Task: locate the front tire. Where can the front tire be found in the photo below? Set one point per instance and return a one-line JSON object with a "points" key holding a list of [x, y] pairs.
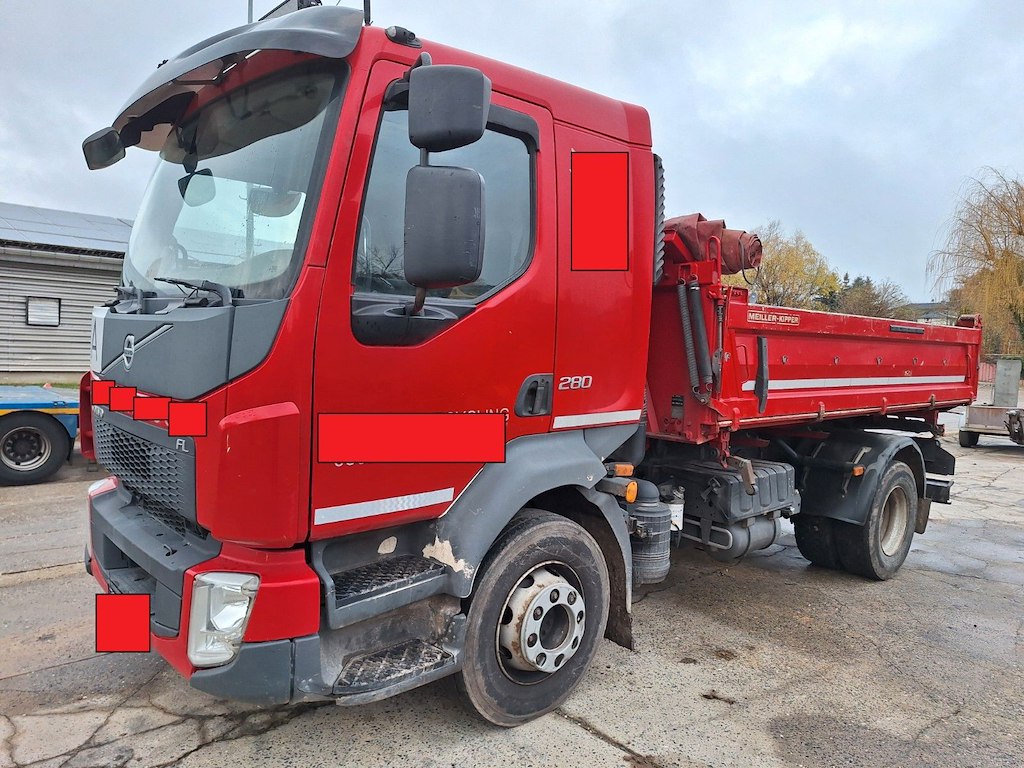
{"points": [[878, 548], [33, 446], [535, 620]]}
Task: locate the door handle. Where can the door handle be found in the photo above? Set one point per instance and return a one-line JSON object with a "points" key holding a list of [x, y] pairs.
{"points": [[535, 395]]}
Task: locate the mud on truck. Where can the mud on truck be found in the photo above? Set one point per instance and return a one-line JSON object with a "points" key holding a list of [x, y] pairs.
{"points": [[359, 253]]}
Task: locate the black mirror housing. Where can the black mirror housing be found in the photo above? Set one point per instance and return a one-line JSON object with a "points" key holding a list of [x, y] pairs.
{"points": [[448, 106], [444, 226], [103, 149]]}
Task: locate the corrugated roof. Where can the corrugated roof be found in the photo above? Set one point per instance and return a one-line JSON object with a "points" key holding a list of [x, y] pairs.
{"points": [[63, 230]]}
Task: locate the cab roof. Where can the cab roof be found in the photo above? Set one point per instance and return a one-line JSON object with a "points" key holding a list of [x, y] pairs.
{"points": [[334, 32], [567, 103]]}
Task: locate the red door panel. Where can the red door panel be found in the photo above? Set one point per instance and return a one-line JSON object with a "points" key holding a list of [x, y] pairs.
{"points": [[603, 313], [476, 364]]}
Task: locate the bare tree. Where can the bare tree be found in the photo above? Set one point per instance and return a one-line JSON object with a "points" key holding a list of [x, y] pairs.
{"points": [[982, 262], [382, 262]]}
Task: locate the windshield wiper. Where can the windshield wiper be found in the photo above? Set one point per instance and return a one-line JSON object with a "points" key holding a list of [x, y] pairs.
{"points": [[130, 299], [219, 289]]}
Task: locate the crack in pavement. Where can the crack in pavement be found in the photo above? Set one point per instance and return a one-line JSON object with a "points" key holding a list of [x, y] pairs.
{"points": [[246, 724], [36, 570], [52, 666], [892, 665], [88, 743], [6, 747], [649, 592], [937, 721], [239, 725], [934, 574], [634, 758], [34, 533]]}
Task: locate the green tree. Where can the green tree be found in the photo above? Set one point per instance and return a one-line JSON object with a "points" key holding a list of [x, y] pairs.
{"points": [[866, 297], [792, 273]]}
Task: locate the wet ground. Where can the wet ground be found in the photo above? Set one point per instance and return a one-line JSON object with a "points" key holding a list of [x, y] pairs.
{"points": [[771, 662]]}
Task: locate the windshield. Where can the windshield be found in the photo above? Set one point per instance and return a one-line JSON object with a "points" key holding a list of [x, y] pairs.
{"points": [[228, 201]]}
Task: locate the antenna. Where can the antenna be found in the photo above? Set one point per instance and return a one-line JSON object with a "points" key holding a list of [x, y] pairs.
{"points": [[366, 13]]}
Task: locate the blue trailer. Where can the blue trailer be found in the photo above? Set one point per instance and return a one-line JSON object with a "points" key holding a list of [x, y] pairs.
{"points": [[38, 427]]}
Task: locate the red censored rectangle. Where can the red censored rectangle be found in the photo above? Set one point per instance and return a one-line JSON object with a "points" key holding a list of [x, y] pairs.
{"points": [[411, 437], [600, 211], [101, 392], [122, 624], [152, 408], [186, 420], [122, 399]]}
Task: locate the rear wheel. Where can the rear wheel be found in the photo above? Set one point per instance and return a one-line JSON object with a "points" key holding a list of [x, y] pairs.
{"points": [[878, 548], [33, 446], [815, 538], [968, 439], [535, 620]]}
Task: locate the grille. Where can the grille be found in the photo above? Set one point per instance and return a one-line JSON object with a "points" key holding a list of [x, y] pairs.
{"points": [[158, 477]]}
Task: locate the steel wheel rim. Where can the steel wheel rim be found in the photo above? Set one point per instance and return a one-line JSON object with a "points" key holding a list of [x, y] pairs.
{"points": [[892, 529], [542, 623], [24, 449]]}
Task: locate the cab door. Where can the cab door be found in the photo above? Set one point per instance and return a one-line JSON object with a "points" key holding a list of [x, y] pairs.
{"points": [[479, 348]]}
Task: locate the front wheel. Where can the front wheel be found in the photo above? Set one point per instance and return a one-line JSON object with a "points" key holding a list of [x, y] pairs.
{"points": [[878, 548], [33, 446], [535, 620]]}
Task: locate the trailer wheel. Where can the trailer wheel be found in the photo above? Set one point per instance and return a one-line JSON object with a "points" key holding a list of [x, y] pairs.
{"points": [[33, 446], [816, 540], [878, 548], [968, 439], [535, 619]]}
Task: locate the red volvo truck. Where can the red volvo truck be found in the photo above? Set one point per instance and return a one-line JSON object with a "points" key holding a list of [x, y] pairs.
{"points": [[356, 235]]}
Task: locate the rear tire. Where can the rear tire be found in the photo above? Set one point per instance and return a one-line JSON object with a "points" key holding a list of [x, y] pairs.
{"points": [[815, 538], [877, 549], [547, 571], [968, 439], [33, 446]]}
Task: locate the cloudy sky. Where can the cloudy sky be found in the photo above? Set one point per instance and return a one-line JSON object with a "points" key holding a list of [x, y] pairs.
{"points": [[856, 122]]}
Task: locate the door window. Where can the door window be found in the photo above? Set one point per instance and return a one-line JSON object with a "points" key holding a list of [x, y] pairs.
{"points": [[506, 166]]}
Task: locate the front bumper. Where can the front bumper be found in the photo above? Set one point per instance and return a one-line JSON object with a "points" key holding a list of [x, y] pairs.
{"points": [[132, 552], [261, 673]]}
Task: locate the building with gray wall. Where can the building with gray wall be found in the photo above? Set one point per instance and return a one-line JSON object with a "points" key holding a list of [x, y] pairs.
{"points": [[55, 266]]}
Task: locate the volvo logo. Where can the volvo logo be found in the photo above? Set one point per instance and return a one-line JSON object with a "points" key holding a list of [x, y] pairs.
{"points": [[129, 350]]}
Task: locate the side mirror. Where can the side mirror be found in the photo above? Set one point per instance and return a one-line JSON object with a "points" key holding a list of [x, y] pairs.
{"points": [[448, 106], [444, 226], [103, 149]]}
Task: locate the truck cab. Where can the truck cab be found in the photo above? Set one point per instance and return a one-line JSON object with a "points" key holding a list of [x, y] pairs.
{"points": [[266, 280]]}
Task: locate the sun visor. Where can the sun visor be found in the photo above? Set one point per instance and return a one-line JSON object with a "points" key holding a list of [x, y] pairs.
{"points": [[145, 120]]}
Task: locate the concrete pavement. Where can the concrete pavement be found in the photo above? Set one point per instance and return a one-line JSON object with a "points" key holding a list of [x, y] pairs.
{"points": [[770, 662]]}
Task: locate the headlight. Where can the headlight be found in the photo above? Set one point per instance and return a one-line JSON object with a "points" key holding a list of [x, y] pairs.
{"points": [[221, 604]]}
